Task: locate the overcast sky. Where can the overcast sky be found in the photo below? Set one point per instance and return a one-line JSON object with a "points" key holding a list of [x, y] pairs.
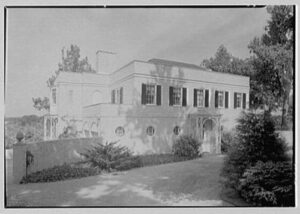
{"points": [[35, 38]]}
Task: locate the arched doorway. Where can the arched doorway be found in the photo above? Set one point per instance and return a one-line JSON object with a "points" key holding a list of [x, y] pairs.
{"points": [[209, 136]]}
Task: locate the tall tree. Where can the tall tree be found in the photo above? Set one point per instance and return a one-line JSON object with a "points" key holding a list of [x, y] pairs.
{"points": [[223, 61], [273, 60], [70, 62]]}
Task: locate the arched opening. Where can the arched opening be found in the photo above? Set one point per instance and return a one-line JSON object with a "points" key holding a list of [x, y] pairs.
{"points": [[96, 97], [48, 128], [209, 136]]}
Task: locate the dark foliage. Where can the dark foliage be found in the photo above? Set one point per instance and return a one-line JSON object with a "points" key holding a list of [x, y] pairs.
{"points": [[58, 173], [256, 141], [186, 146], [227, 141], [157, 159], [269, 184], [277, 123], [110, 156]]}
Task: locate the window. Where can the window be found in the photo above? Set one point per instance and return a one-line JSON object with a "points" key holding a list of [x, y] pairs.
{"points": [[117, 96], [200, 98], [70, 96], [120, 131], [176, 96], [176, 130], [150, 94], [94, 134], [221, 99], [150, 131], [54, 95], [238, 100]]}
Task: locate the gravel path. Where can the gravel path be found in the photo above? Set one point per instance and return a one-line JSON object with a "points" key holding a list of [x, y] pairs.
{"points": [[189, 183]]}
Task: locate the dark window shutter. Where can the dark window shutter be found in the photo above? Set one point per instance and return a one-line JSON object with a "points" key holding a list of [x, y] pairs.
{"points": [[183, 96], [195, 97], [244, 100], [113, 96], [216, 99], [206, 98], [158, 95], [121, 95], [226, 99], [171, 96], [235, 95], [143, 94]]}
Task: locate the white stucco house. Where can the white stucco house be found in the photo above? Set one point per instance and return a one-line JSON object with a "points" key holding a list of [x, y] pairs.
{"points": [[145, 105]]}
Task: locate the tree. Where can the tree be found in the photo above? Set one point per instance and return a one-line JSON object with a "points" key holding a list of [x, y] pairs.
{"points": [[40, 104], [273, 60], [70, 62], [226, 63]]}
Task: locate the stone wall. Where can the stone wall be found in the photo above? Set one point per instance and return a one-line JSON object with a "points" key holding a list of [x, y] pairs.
{"points": [[47, 154]]}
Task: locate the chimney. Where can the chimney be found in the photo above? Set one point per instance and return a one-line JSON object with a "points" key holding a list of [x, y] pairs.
{"points": [[105, 61]]}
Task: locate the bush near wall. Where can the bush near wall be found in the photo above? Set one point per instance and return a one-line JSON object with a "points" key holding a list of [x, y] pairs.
{"points": [[59, 173], [227, 140], [269, 184], [186, 146]]}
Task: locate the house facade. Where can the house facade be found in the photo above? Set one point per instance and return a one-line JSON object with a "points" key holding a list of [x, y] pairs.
{"points": [[146, 105]]}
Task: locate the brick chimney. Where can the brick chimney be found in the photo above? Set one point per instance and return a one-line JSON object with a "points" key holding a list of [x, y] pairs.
{"points": [[105, 61]]}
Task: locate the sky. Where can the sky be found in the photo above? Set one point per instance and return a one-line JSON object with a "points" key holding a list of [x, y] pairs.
{"points": [[35, 38]]}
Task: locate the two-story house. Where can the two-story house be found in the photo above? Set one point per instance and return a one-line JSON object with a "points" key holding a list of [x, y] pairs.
{"points": [[145, 105]]}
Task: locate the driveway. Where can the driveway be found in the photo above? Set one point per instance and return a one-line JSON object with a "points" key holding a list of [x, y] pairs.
{"points": [[189, 183]]}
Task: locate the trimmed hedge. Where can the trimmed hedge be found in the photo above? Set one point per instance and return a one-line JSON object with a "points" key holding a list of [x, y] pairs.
{"points": [[59, 173], [269, 184]]}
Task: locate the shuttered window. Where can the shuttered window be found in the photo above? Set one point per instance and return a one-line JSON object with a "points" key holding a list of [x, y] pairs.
{"points": [[239, 100], [177, 96], [200, 98], [151, 94], [113, 96], [121, 95], [221, 99], [117, 96]]}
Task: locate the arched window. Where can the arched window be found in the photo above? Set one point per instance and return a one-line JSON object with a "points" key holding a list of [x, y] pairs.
{"points": [[120, 131], [176, 130], [150, 131], [97, 97]]}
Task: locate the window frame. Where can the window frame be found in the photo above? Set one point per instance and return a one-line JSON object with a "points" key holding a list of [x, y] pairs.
{"points": [[179, 130], [203, 91], [117, 133], [155, 94], [181, 96], [223, 99], [240, 95], [148, 129]]}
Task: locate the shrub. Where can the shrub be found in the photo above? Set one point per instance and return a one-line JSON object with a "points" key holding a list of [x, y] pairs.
{"points": [[110, 156], [227, 141], [269, 184], [256, 141], [156, 159], [186, 146], [58, 173]]}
